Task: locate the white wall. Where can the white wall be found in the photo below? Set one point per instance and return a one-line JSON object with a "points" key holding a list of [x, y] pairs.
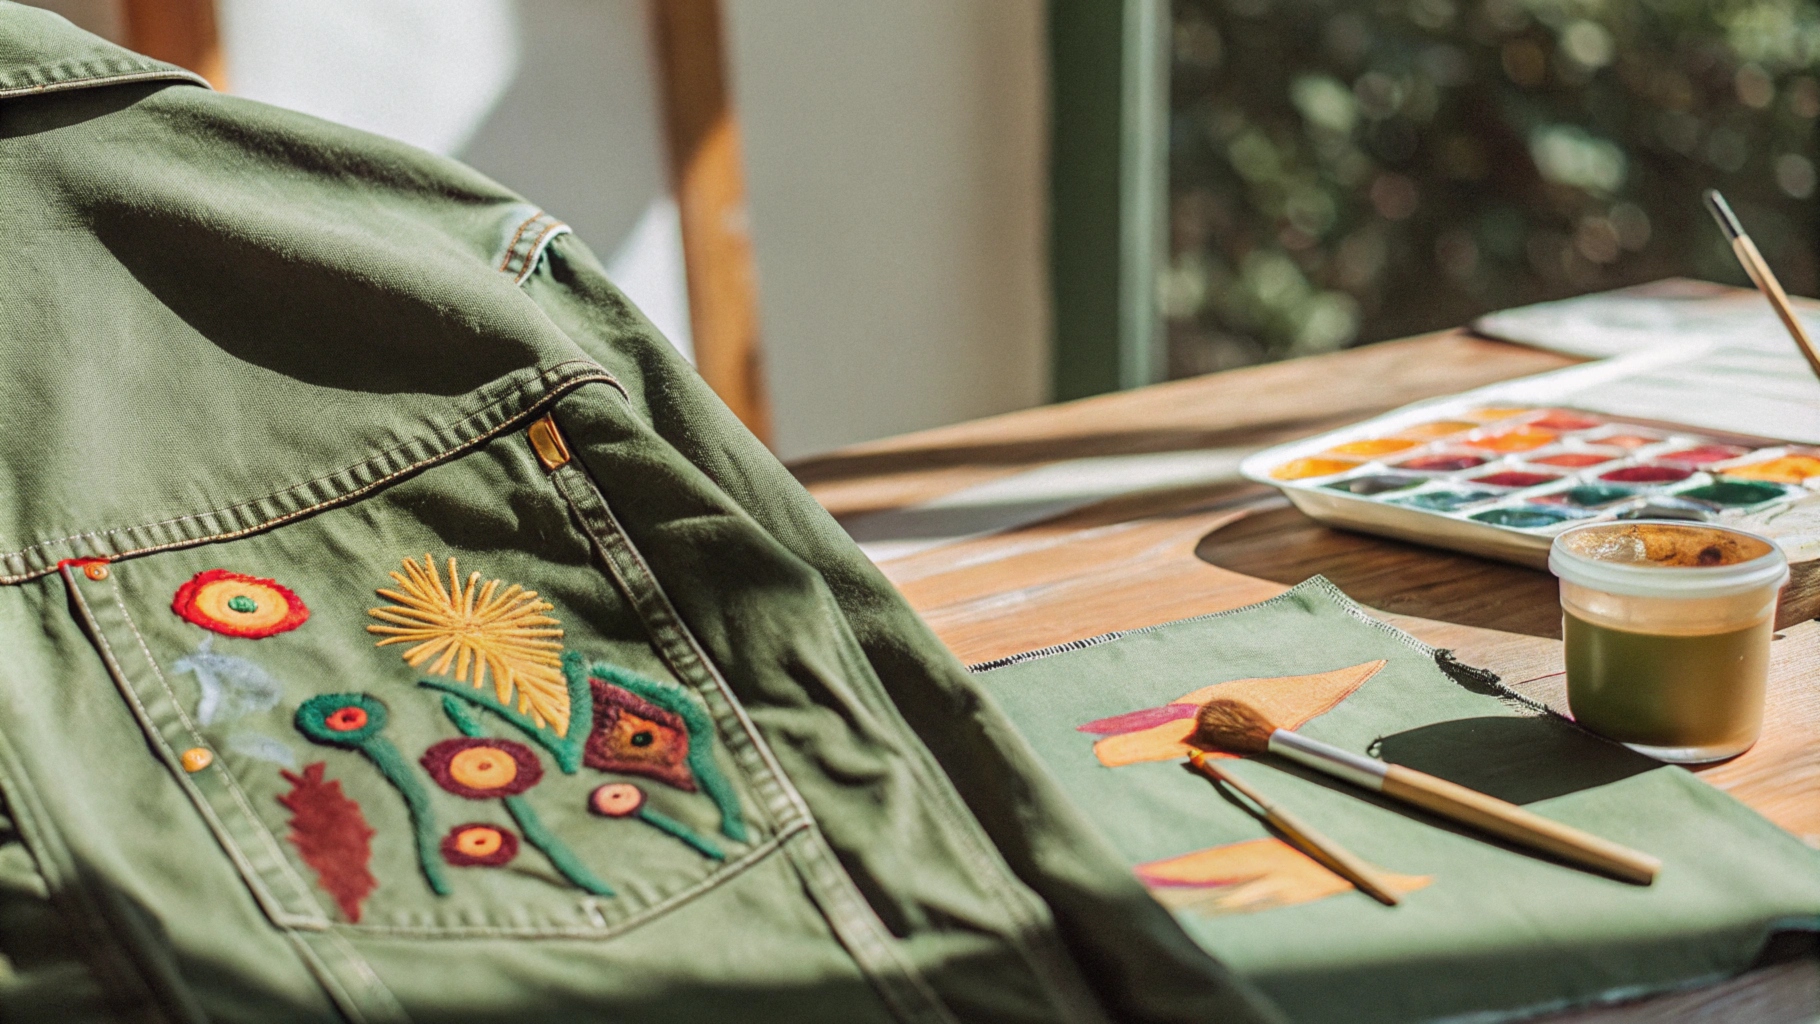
{"points": [[896, 170], [895, 157]]}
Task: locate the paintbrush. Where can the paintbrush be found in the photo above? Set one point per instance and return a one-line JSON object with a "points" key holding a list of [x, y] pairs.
{"points": [[1239, 728], [1765, 279], [1331, 855]]}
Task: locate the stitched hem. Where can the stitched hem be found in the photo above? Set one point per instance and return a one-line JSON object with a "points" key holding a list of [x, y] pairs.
{"points": [[515, 400], [88, 74]]}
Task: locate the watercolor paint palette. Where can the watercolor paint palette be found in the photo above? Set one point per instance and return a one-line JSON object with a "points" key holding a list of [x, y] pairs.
{"points": [[1501, 480]]}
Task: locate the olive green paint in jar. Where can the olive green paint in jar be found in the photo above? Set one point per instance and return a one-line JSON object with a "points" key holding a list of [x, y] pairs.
{"points": [[1667, 629]]}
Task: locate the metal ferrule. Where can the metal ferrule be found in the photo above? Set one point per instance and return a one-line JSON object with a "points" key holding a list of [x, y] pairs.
{"points": [[1322, 757]]}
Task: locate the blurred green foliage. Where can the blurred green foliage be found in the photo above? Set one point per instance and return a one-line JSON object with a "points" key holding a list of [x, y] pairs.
{"points": [[1344, 172]]}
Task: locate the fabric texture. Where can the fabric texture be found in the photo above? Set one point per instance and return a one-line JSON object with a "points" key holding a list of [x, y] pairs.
{"points": [[242, 339], [1485, 929]]}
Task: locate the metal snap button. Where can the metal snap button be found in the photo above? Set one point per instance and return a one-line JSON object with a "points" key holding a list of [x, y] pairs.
{"points": [[197, 758], [95, 571]]}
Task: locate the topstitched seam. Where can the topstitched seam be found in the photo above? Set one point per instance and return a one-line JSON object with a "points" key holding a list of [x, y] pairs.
{"points": [[560, 389], [231, 783], [709, 883], [863, 926], [67, 85], [144, 717], [512, 246], [537, 246]]}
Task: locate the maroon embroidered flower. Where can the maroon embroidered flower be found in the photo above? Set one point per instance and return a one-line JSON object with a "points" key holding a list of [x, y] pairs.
{"points": [[478, 845], [481, 769]]}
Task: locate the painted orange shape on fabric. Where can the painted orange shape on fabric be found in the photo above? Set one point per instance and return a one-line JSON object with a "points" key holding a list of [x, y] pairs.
{"points": [[1161, 733], [1257, 874]]}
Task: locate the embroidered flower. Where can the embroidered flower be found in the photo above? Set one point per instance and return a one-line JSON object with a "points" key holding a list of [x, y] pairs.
{"points": [[477, 845], [480, 769], [235, 604], [341, 719], [477, 629], [616, 799], [634, 736]]}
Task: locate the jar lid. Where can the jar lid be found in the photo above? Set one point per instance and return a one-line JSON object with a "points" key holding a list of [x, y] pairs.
{"points": [[1649, 558]]}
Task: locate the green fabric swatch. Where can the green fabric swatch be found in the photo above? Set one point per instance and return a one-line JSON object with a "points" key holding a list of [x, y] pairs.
{"points": [[1499, 933]]}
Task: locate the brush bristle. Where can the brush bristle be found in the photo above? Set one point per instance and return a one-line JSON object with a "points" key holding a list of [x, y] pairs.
{"points": [[1232, 726]]}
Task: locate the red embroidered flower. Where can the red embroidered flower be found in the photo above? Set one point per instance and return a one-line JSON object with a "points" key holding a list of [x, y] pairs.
{"points": [[480, 769], [235, 604], [477, 845]]}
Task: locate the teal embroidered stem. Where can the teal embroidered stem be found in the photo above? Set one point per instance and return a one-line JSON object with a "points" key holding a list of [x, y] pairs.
{"points": [[397, 771], [353, 721], [675, 699], [566, 750], [464, 719], [665, 823], [529, 823], [560, 856]]}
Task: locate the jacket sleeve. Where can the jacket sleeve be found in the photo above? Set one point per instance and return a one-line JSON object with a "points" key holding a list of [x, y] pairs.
{"points": [[1142, 966]]}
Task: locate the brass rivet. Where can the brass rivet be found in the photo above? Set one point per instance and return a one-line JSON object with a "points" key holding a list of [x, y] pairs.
{"points": [[95, 571], [197, 758]]}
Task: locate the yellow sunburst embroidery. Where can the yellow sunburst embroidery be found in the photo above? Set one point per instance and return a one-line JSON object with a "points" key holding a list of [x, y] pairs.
{"points": [[479, 628]]}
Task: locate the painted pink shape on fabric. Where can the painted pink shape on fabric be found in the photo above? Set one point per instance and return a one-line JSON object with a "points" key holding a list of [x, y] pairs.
{"points": [[1131, 721]]}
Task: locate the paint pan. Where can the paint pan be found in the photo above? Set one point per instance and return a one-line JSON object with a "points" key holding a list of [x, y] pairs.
{"points": [[1376, 483], [1792, 468], [1514, 478], [1442, 462], [1736, 493], [1447, 500], [1527, 517], [1647, 475]]}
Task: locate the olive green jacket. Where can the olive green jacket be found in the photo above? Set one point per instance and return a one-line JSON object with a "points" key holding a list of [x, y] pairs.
{"points": [[394, 628]]}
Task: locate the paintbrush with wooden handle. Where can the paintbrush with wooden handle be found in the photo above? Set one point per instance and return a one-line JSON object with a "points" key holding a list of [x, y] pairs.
{"points": [[1239, 728], [1764, 278], [1331, 855]]}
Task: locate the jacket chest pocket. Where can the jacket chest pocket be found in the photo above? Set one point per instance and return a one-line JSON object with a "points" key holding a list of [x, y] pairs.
{"points": [[432, 712]]}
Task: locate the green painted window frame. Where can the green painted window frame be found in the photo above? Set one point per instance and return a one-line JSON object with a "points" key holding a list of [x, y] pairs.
{"points": [[1109, 183]]}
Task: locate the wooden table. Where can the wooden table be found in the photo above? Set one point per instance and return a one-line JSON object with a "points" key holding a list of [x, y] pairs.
{"points": [[1155, 556]]}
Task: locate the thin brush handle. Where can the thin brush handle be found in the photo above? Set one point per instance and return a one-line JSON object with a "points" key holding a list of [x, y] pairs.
{"points": [[1508, 821], [1331, 855], [1469, 807], [1760, 274]]}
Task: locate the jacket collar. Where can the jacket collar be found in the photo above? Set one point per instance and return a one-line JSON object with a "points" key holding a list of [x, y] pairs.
{"points": [[40, 52]]}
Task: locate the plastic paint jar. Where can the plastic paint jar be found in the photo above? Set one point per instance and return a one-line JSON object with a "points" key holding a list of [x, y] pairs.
{"points": [[1667, 628]]}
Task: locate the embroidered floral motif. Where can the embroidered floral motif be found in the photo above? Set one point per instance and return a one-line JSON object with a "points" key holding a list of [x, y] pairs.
{"points": [[231, 687], [354, 721], [633, 736], [235, 604], [332, 837], [624, 800], [481, 769], [479, 628], [699, 755], [490, 769], [477, 845], [566, 749]]}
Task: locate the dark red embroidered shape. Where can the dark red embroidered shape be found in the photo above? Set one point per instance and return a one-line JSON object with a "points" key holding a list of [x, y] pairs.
{"points": [[235, 604], [481, 769], [479, 845], [332, 836], [633, 736]]}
